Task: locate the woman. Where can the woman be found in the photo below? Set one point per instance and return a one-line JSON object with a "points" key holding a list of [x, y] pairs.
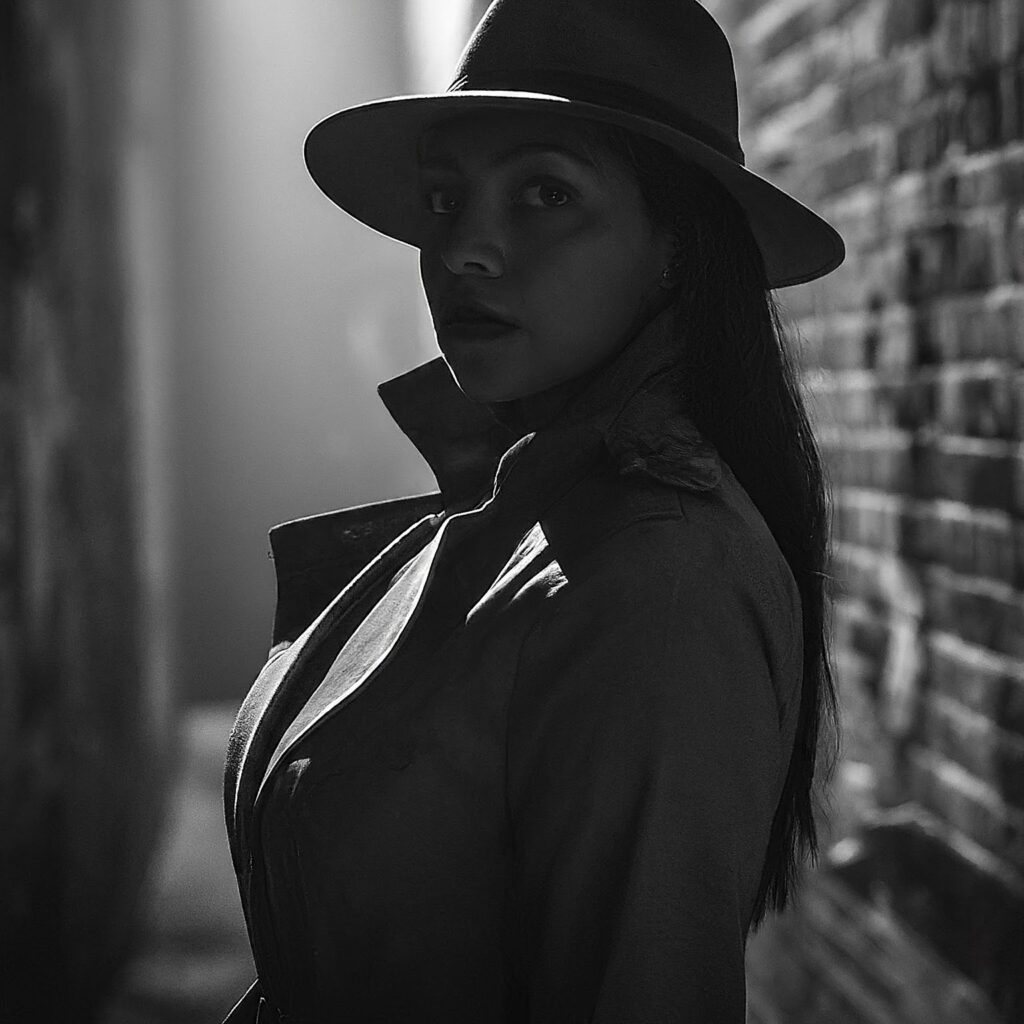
{"points": [[549, 756]]}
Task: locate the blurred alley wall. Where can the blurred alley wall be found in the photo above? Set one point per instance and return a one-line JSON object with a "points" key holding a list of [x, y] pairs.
{"points": [[86, 727], [190, 339], [902, 121], [288, 312]]}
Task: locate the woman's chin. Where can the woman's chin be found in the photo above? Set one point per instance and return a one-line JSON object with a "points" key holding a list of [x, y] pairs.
{"points": [[484, 394], [480, 387]]}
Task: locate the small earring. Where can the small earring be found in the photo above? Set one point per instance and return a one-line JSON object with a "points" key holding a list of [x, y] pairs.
{"points": [[668, 276]]}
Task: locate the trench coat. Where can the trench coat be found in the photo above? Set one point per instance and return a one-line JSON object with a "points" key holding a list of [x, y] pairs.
{"points": [[521, 766]]}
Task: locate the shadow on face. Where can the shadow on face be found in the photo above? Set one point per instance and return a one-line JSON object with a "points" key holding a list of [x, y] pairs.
{"points": [[541, 260]]}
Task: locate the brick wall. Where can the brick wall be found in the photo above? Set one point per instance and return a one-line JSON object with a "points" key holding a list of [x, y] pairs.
{"points": [[902, 121]]}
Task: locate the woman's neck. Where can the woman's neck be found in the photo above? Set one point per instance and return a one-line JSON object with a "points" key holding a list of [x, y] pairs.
{"points": [[532, 412], [525, 415]]}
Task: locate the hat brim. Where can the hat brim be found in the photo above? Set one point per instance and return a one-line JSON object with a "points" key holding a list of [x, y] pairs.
{"points": [[364, 160]]}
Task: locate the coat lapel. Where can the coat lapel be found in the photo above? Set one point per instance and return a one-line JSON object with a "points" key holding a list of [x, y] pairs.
{"points": [[386, 625], [380, 632], [246, 756]]}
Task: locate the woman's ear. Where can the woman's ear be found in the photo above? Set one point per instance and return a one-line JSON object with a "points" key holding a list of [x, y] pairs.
{"points": [[667, 252]]}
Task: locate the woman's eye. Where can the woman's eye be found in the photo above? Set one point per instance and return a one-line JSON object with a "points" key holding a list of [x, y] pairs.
{"points": [[440, 200], [547, 195]]}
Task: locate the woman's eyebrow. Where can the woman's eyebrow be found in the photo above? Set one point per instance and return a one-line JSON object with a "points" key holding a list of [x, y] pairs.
{"points": [[451, 163]]}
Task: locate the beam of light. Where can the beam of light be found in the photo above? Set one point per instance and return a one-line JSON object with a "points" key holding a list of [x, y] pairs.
{"points": [[436, 32]]}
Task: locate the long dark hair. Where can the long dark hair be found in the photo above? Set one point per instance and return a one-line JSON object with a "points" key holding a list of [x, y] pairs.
{"points": [[743, 394]]}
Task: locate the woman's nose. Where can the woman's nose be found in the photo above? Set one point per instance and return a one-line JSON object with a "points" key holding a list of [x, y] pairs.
{"points": [[474, 244]]}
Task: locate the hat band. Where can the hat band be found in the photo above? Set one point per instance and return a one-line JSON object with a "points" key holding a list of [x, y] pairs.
{"points": [[604, 93]]}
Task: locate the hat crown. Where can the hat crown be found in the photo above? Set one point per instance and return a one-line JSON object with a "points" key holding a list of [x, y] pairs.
{"points": [[672, 51]]}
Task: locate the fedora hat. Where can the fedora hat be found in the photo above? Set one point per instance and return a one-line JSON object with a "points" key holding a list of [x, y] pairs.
{"points": [[659, 68]]}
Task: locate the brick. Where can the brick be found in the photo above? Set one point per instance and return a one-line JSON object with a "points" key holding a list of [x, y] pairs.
{"points": [[975, 808], [876, 459], [987, 683], [930, 256], [977, 400], [867, 519], [1015, 244], [802, 127], [834, 342], [857, 577], [989, 615], [991, 178], [780, 83], [913, 403], [870, 281], [983, 120], [860, 399], [1011, 104], [1005, 27], [973, 400], [863, 33], [889, 587], [930, 130], [874, 95], [850, 161], [918, 77], [856, 396], [908, 202], [943, 185], [798, 92], [906, 21], [757, 22], [954, 42], [842, 401], [798, 24], [977, 326], [1015, 381], [900, 329], [965, 540], [923, 534], [969, 470], [978, 41], [931, 538], [980, 251], [976, 743], [994, 552], [1018, 547]]}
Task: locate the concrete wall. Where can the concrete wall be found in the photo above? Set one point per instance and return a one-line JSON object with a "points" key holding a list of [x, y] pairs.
{"points": [[902, 121]]}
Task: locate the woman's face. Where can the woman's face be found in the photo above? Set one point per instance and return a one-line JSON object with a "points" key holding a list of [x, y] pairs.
{"points": [[540, 260]]}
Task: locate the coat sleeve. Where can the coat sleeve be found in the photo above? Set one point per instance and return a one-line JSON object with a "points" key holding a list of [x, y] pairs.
{"points": [[644, 754]]}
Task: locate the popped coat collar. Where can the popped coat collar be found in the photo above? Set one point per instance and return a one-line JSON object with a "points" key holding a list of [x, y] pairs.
{"points": [[630, 412], [631, 407]]}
